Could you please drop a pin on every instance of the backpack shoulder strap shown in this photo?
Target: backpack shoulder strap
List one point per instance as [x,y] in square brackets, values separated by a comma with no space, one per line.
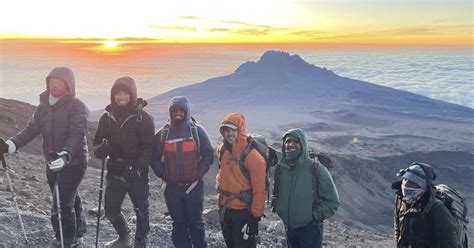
[221,150]
[276,184]
[163,136]
[243,157]
[195,134]
[109,131]
[316,176]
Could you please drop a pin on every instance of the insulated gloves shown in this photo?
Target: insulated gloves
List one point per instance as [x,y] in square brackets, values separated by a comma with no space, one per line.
[7,146]
[133,173]
[3,147]
[250,228]
[58,163]
[102,151]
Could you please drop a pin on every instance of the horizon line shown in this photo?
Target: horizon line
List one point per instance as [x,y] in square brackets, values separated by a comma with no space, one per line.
[130,40]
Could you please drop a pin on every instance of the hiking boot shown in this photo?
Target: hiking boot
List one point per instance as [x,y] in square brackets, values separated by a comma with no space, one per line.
[55,244]
[78,242]
[124,240]
[139,243]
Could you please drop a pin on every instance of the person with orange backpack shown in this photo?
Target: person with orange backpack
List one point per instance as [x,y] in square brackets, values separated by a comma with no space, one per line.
[241,199]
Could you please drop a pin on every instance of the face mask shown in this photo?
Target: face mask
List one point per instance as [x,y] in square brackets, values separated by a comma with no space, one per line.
[411,195]
[292,155]
[58,91]
[53,100]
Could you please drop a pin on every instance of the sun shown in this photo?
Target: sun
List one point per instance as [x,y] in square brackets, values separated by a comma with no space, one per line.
[109,47]
[111,44]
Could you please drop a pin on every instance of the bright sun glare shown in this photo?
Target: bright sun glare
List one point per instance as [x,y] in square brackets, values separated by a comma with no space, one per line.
[110,44]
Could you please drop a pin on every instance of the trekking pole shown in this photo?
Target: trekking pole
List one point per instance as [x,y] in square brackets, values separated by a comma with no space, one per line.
[58,209]
[14,199]
[100,203]
[53,156]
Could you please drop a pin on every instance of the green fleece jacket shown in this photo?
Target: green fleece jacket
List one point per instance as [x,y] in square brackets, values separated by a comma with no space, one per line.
[293,197]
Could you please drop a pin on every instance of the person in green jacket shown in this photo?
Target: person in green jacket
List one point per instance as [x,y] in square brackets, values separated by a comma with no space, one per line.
[304,194]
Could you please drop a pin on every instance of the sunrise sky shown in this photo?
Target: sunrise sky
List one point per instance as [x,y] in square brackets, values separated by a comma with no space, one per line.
[330,22]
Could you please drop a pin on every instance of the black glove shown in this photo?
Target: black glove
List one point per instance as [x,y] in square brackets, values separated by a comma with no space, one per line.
[133,173]
[102,151]
[3,146]
[250,228]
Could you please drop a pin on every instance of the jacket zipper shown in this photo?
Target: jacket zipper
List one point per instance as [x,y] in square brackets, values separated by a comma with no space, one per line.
[123,123]
[52,129]
[291,190]
[178,160]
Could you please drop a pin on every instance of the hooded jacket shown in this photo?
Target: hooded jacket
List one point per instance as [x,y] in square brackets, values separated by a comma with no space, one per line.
[230,177]
[130,139]
[62,125]
[182,163]
[294,200]
[428,223]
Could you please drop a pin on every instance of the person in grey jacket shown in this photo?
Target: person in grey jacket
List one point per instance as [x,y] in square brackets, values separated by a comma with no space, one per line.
[61,119]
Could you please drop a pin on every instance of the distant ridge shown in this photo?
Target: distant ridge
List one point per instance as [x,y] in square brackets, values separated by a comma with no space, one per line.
[279,78]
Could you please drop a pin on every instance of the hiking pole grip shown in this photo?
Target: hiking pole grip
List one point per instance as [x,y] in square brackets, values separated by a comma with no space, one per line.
[100,202]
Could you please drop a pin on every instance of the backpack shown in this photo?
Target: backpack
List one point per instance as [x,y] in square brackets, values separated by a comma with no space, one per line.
[257,142]
[454,202]
[194,134]
[456,205]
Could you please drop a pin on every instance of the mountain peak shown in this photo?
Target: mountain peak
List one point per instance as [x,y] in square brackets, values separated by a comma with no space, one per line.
[273,56]
[279,62]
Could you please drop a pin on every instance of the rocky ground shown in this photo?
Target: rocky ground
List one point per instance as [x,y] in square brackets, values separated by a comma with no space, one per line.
[366,157]
[34,199]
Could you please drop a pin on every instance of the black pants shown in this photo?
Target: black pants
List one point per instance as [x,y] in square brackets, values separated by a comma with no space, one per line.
[308,236]
[232,225]
[186,212]
[73,218]
[137,189]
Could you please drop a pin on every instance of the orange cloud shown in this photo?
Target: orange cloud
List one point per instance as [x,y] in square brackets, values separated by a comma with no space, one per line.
[251,31]
[181,28]
[246,24]
[189,17]
[308,33]
[219,29]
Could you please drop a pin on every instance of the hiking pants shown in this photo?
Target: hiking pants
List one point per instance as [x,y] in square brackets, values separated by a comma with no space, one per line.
[186,212]
[73,217]
[232,225]
[137,189]
[308,236]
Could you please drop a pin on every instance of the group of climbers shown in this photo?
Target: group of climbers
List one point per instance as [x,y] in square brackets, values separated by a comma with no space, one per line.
[181,153]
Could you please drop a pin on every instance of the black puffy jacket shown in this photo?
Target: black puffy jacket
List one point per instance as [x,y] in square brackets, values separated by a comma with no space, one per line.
[428,223]
[131,139]
[62,126]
